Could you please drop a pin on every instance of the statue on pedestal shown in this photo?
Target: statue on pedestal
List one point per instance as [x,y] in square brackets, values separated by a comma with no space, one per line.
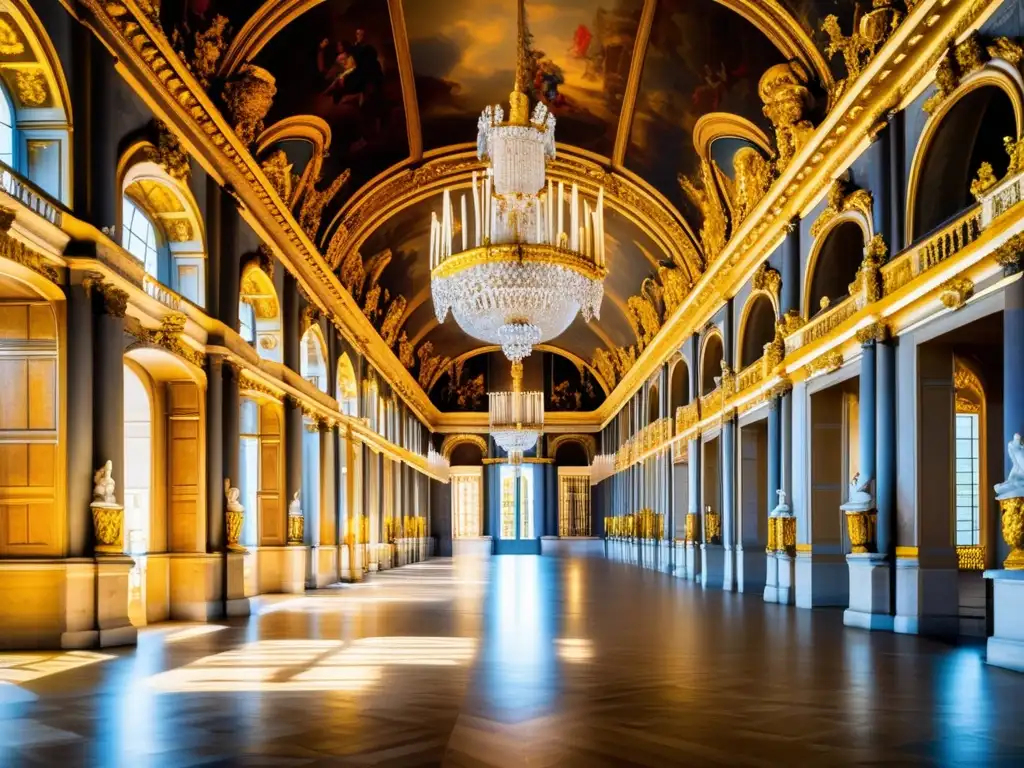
[782,508]
[107,514]
[235,514]
[1013,486]
[296,523]
[859,498]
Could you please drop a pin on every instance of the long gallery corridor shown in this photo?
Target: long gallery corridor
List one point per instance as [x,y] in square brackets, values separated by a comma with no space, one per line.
[513,661]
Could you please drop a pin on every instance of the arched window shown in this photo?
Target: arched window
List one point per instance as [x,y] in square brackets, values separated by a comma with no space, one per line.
[347,389]
[758,329]
[138,236]
[259,295]
[6,129]
[711,364]
[247,321]
[834,266]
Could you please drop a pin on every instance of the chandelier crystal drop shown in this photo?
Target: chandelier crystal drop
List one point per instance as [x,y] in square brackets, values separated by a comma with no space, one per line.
[516,418]
[522,255]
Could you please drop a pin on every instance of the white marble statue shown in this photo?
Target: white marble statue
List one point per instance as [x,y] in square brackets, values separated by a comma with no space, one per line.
[859,498]
[232,495]
[1013,486]
[295,507]
[103,485]
[782,508]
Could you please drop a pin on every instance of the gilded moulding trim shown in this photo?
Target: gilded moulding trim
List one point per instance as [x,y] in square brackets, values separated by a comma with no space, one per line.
[636,67]
[526,460]
[894,72]
[147,60]
[451,441]
[407,77]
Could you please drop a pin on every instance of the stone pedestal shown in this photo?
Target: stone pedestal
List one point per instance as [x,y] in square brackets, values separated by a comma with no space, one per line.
[712,566]
[771,578]
[927,594]
[324,567]
[235,601]
[869,592]
[108,527]
[196,586]
[112,620]
[787,578]
[730,569]
[691,561]
[1006,646]
[822,577]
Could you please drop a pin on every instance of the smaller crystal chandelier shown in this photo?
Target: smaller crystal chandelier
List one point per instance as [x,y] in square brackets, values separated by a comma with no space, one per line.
[531,255]
[516,418]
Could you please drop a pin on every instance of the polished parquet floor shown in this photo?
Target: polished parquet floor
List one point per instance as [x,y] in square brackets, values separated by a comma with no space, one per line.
[515,661]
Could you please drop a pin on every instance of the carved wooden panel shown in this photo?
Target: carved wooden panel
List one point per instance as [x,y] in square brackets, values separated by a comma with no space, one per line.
[29,523]
[185,475]
[272,529]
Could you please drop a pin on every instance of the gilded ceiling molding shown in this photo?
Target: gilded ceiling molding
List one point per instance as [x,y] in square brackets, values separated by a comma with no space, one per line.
[588,442]
[724,125]
[407,77]
[309,128]
[785,33]
[402,187]
[451,441]
[269,19]
[636,69]
[579,362]
[149,63]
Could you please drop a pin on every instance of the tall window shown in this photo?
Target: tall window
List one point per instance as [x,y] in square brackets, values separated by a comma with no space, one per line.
[6,129]
[249,466]
[247,321]
[466,503]
[968,526]
[138,236]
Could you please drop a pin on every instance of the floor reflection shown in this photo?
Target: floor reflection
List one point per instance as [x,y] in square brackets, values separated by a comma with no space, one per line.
[512,661]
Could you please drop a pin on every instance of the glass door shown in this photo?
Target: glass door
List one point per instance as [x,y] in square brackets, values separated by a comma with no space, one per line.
[516,534]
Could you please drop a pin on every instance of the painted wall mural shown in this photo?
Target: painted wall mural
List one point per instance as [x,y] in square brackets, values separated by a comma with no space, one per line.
[464,57]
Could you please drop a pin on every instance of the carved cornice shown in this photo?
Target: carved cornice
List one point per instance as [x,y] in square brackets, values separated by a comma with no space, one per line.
[20,253]
[956,292]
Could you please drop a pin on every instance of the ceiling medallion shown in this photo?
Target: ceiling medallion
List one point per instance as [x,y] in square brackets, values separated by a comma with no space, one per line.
[529,256]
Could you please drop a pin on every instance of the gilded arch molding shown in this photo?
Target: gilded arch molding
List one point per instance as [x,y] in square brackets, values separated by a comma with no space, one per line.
[994,74]
[309,128]
[588,442]
[451,441]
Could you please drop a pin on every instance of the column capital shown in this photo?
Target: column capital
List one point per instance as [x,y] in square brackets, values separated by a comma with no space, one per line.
[878,331]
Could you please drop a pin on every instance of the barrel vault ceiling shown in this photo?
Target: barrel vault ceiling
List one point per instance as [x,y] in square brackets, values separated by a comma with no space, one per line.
[371,90]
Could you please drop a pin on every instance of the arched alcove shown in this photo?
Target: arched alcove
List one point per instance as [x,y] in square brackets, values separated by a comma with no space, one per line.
[711,362]
[313,361]
[679,386]
[833,266]
[258,292]
[757,328]
[571,453]
[653,405]
[348,390]
[466,455]
[968,133]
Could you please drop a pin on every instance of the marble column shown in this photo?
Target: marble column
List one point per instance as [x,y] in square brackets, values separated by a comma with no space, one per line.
[870,572]
[774,478]
[214,251]
[728,463]
[230,276]
[80,353]
[108,383]
[292,411]
[231,426]
[326,564]
[694,508]
[551,499]
[786,561]
[885,448]
[216,536]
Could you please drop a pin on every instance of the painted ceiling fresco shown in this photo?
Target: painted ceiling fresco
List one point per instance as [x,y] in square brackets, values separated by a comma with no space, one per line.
[691,69]
[398,80]
[338,61]
[464,57]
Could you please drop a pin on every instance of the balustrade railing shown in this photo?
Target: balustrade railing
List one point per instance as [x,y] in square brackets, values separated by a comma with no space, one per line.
[29,195]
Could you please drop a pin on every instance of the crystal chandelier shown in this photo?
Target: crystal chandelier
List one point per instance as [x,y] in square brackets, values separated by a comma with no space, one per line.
[534,256]
[516,417]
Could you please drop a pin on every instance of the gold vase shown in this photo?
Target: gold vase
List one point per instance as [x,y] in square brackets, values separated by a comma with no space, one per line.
[786,532]
[773,535]
[234,522]
[691,526]
[296,529]
[713,527]
[1013,532]
[861,527]
[108,527]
